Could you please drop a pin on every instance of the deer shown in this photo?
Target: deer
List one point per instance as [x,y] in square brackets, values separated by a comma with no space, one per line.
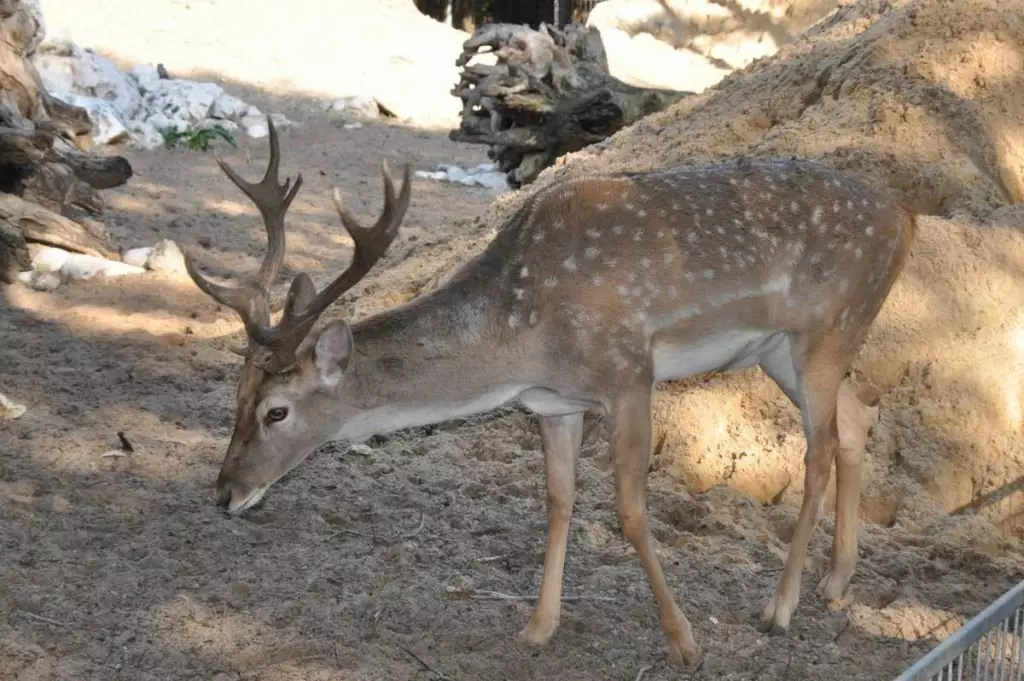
[592,292]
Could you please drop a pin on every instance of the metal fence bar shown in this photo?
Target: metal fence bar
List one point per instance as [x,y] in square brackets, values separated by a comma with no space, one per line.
[1004,617]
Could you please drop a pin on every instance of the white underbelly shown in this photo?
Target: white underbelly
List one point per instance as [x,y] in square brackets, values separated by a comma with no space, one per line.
[726,351]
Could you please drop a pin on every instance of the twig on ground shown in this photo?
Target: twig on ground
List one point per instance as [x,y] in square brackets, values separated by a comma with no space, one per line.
[491,559]
[40,618]
[486,595]
[643,670]
[426,665]
[789,664]
[125,444]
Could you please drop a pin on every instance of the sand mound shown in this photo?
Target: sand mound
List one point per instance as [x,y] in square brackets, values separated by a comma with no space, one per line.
[924,97]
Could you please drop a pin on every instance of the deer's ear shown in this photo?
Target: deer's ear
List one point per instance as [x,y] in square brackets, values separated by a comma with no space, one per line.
[332,353]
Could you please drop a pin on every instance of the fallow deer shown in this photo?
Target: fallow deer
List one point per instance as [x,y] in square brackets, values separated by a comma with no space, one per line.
[597,288]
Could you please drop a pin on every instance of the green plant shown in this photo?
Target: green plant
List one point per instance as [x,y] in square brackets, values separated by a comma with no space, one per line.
[196,140]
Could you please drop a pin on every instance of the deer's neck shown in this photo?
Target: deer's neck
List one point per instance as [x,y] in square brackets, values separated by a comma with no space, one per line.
[439,357]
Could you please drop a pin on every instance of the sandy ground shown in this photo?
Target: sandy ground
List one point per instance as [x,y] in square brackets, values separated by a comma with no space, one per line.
[121,567]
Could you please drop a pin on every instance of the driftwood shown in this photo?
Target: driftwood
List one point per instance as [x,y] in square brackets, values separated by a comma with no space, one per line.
[549,94]
[49,180]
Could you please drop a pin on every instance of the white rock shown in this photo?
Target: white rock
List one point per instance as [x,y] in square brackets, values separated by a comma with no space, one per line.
[114,87]
[455,173]
[26,277]
[9,409]
[230,126]
[145,135]
[161,121]
[361,450]
[358,105]
[253,111]
[108,125]
[120,269]
[89,75]
[492,180]
[166,257]
[79,266]
[352,126]
[228,106]
[257,131]
[280,121]
[255,126]
[144,75]
[49,259]
[137,256]
[46,282]
[181,99]
[56,71]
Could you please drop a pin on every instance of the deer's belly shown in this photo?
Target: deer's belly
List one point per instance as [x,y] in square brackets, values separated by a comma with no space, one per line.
[727,351]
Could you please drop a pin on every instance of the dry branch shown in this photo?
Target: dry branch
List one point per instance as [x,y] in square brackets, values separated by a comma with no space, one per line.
[46,169]
[549,94]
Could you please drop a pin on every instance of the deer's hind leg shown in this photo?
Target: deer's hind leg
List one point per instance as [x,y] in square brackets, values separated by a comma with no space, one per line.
[630,425]
[810,372]
[854,418]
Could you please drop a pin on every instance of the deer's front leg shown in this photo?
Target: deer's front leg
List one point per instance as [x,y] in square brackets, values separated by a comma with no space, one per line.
[562,436]
[630,417]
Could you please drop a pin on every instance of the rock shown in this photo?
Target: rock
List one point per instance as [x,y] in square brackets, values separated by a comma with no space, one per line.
[255,127]
[145,135]
[88,74]
[120,269]
[482,175]
[144,75]
[357,105]
[230,126]
[9,409]
[181,99]
[161,121]
[491,180]
[108,125]
[49,259]
[166,257]
[114,87]
[361,450]
[137,256]
[26,277]
[352,126]
[228,106]
[80,266]
[281,121]
[48,281]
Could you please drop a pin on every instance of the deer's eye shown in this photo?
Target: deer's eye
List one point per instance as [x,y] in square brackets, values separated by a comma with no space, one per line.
[277,414]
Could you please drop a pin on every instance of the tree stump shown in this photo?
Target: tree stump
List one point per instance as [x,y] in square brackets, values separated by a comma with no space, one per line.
[550,93]
[48,177]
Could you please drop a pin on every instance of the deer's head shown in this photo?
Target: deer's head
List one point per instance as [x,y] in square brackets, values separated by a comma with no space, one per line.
[289,398]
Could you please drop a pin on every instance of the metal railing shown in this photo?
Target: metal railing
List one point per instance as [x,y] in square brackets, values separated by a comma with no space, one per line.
[990,647]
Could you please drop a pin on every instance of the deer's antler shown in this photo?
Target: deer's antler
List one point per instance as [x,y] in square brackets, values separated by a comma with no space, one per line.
[303,305]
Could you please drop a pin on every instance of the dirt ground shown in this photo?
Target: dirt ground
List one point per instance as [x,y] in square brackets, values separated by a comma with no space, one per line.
[358,568]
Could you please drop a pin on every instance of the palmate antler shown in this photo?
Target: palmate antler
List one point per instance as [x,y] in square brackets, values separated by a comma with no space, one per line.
[303,305]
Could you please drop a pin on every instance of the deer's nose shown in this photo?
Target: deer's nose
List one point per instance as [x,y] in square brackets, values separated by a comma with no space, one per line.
[223,492]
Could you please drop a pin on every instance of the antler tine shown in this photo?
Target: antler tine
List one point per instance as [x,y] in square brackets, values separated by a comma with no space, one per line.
[272,198]
[370,244]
